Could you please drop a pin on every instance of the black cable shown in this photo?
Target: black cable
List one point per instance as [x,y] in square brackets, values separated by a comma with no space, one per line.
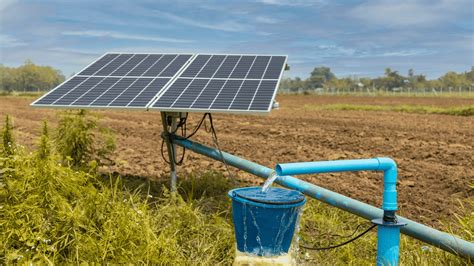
[341,236]
[216,143]
[198,126]
[341,244]
[181,125]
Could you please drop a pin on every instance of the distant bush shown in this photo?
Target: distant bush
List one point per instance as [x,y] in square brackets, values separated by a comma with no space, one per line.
[29,77]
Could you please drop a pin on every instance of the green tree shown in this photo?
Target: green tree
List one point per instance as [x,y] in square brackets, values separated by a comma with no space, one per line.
[319,76]
[454,80]
[29,77]
[392,79]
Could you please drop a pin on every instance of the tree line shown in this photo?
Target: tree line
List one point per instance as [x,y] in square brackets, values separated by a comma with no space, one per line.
[322,78]
[29,77]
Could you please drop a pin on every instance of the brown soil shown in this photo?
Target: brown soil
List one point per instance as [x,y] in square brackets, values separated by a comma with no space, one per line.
[434,152]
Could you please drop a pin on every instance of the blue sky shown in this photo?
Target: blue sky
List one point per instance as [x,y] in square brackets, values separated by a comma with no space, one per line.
[351,37]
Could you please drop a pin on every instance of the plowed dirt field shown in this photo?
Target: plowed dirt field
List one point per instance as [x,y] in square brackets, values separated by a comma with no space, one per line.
[434,152]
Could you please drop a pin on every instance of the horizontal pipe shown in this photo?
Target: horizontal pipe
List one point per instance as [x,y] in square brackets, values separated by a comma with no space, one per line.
[416,230]
[327,167]
[387,165]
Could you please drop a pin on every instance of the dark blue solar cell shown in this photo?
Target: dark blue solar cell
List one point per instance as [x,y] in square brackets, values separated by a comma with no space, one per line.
[88,97]
[227,94]
[191,93]
[209,93]
[78,91]
[148,94]
[244,97]
[113,92]
[263,98]
[113,65]
[211,67]
[59,91]
[195,67]
[242,67]
[258,67]
[98,64]
[145,65]
[275,67]
[173,92]
[160,65]
[227,67]
[131,92]
[129,65]
[175,66]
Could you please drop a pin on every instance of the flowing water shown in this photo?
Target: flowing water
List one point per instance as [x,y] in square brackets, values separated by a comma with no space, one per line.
[269,181]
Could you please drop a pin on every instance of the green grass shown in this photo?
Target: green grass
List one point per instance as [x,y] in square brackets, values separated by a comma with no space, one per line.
[418,109]
[412,94]
[27,94]
[322,225]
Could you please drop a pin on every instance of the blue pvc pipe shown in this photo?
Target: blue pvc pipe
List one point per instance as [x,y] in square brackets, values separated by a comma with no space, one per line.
[445,241]
[388,245]
[387,165]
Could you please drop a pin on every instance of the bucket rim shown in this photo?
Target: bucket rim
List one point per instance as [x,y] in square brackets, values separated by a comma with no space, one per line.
[262,203]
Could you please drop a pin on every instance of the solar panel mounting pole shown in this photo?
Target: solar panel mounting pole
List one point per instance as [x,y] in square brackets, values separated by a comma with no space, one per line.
[169,146]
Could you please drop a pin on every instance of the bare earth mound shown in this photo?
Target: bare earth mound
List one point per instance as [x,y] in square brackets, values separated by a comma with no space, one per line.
[434,152]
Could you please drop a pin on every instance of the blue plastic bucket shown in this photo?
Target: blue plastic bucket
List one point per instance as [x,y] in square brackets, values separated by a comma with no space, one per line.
[265,222]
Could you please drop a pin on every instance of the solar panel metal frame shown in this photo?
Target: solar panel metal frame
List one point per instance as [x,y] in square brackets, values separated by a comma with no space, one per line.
[170,81]
[215,110]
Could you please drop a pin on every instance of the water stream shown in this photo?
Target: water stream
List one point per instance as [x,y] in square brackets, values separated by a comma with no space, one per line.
[269,181]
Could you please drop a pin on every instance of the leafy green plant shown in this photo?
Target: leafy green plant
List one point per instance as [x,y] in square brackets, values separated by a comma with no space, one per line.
[81,142]
[8,143]
[44,147]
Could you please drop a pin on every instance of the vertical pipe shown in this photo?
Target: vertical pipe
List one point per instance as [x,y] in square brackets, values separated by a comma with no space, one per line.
[171,150]
[388,228]
[388,245]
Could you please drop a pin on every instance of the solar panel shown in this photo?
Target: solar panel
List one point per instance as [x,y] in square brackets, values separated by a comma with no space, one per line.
[224,83]
[117,80]
[172,82]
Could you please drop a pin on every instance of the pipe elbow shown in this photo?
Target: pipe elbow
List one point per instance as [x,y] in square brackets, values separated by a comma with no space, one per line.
[386,163]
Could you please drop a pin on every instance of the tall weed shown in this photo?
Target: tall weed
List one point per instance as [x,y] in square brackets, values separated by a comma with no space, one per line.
[81,142]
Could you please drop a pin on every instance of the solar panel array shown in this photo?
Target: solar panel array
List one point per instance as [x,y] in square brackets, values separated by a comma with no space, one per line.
[172,82]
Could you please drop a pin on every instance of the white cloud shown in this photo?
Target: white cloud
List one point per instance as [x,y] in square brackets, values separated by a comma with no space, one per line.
[7,41]
[293,2]
[266,20]
[332,50]
[5,3]
[123,36]
[406,13]
[335,50]
[74,51]
[231,26]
